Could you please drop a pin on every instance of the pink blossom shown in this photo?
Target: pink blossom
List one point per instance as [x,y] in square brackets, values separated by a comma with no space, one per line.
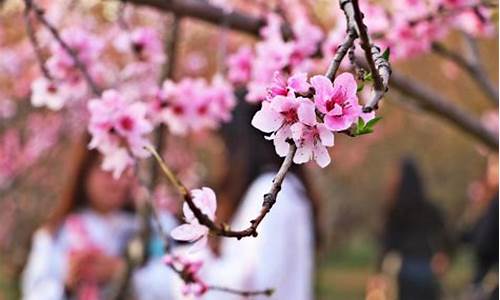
[240,65]
[193,105]
[306,42]
[220,98]
[118,130]
[193,284]
[338,102]
[473,22]
[47,93]
[87,48]
[145,44]
[311,143]
[276,117]
[272,30]
[278,86]
[193,231]
[298,83]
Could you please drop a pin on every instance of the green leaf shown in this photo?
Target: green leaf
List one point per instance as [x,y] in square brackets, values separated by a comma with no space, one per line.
[386,54]
[361,86]
[373,121]
[365,128]
[368,77]
[361,123]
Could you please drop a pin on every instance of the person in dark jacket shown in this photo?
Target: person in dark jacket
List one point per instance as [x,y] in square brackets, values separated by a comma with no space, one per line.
[484,240]
[415,229]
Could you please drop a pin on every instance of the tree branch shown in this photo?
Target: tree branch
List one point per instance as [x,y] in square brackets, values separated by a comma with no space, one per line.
[341,53]
[205,11]
[480,74]
[378,65]
[39,13]
[472,66]
[34,42]
[447,110]
[266,292]
[223,230]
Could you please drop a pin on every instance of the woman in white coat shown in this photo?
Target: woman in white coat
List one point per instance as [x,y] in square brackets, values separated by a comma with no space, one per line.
[282,255]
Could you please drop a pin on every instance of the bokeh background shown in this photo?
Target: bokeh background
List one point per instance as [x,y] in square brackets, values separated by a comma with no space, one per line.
[354,187]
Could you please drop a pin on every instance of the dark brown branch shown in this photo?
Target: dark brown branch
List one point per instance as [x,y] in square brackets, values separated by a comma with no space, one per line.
[39,13]
[266,292]
[205,11]
[341,53]
[478,72]
[34,42]
[222,230]
[379,66]
[436,104]
[444,12]
[472,66]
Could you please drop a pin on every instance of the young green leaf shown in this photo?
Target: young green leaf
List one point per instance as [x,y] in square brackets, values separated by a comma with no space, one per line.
[373,121]
[386,54]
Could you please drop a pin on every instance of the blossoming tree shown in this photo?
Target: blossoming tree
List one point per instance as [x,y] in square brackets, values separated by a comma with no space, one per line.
[98,64]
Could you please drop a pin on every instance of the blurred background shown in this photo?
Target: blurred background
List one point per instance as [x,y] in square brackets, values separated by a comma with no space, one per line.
[459,175]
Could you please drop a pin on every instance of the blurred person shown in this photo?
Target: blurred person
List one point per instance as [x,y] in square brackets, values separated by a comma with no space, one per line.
[485,247]
[282,255]
[415,231]
[79,252]
[483,236]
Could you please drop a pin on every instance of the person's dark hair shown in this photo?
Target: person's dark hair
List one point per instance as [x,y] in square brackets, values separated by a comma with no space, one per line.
[413,224]
[410,190]
[74,195]
[248,155]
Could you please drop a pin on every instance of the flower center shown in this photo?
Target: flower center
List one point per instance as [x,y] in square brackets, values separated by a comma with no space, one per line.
[52,88]
[290,116]
[127,123]
[178,110]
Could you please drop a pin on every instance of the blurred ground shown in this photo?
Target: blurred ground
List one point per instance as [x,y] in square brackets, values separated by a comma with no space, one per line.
[342,273]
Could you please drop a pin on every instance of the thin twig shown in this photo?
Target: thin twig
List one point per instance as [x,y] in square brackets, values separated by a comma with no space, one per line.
[378,65]
[243,293]
[34,42]
[480,74]
[203,219]
[39,13]
[444,12]
[436,104]
[340,54]
[470,65]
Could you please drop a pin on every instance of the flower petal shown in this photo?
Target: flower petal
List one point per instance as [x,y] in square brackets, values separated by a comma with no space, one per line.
[321,155]
[188,232]
[326,136]
[267,119]
[280,144]
[306,112]
[347,82]
[335,123]
[298,83]
[323,91]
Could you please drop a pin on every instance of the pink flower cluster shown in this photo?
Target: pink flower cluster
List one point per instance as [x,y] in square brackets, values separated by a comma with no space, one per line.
[189,269]
[67,82]
[272,54]
[308,113]
[193,104]
[407,27]
[118,130]
[193,231]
